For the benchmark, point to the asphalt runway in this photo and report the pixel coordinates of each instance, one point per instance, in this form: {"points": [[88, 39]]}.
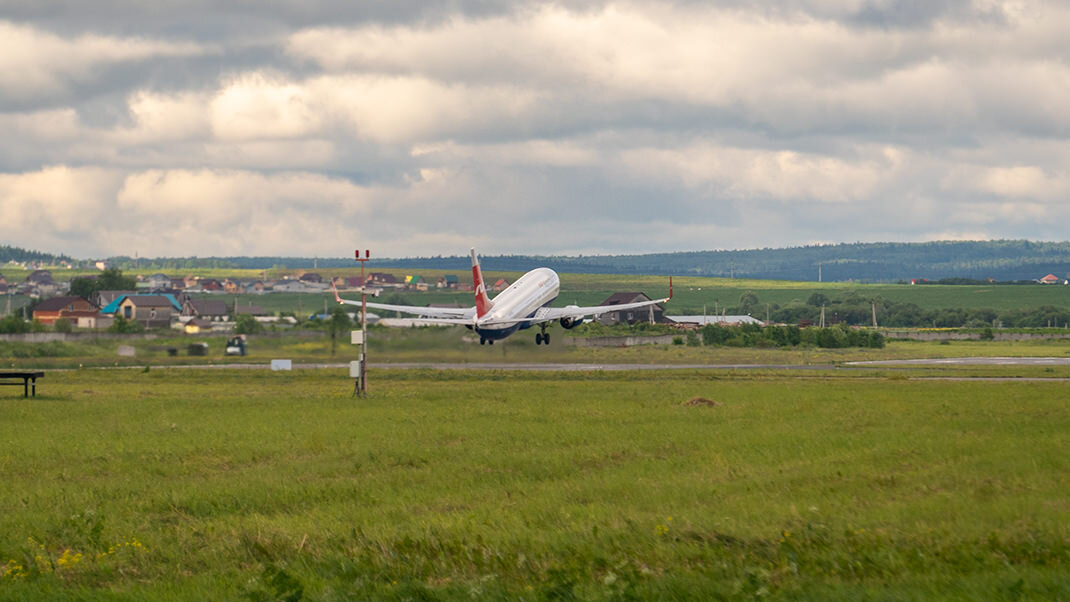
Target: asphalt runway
{"points": [[571, 367], [970, 361], [542, 367]]}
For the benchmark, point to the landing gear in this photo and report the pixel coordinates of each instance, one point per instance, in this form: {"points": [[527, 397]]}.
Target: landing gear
{"points": [[484, 341], [542, 337]]}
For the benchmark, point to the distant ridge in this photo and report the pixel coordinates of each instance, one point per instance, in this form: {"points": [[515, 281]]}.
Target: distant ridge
{"points": [[1001, 260]]}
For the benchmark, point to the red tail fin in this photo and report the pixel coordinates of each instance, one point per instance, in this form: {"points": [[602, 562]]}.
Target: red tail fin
{"points": [[483, 302]]}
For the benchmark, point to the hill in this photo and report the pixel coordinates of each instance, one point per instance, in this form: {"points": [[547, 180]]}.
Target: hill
{"points": [[1001, 260], [1004, 260]]}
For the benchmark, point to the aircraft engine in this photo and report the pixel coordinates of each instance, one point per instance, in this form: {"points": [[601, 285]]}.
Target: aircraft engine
{"points": [[569, 323]]}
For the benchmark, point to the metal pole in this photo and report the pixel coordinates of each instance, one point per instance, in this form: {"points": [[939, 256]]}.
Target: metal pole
{"points": [[363, 384]]}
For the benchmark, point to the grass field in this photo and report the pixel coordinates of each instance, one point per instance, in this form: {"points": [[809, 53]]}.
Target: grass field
{"points": [[206, 484]]}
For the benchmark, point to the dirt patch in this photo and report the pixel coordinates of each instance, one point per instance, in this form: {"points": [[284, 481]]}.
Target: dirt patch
{"points": [[701, 401]]}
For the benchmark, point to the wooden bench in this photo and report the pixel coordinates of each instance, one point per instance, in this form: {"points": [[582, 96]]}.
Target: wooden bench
{"points": [[29, 381]]}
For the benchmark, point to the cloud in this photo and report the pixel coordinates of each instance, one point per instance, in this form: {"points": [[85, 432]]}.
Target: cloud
{"points": [[37, 63], [421, 128]]}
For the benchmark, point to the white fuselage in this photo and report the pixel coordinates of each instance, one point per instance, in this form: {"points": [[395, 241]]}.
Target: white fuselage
{"points": [[535, 289]]}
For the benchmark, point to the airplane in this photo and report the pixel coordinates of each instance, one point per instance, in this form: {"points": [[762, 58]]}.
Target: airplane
{"points": [[524, 304]]}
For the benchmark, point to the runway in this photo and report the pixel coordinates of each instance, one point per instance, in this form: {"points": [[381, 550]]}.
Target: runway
{"points": [[970, 361], [587, 367]]}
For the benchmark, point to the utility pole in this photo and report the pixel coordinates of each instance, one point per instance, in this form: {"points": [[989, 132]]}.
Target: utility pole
{"points": [[822, 316], [819, 271], [874, 306], [360, 387]]}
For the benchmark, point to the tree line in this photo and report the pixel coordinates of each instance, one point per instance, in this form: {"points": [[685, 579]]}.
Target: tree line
{"points": [[855, 310]]}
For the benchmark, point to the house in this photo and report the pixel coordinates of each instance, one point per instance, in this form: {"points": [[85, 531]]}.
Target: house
{"points": [[291, 286], [252, 310], [383, 278], [69, 308], [653, 313], [311, 277], [353, 282], [232, 287], [178, 284], [154, 311], [416, 283], [102, 265], [209, 309], [40, 277], [500, 285], [210, 285], [1049, 279], [103, 299], [159, 282], [189, 281], [447, 281]]}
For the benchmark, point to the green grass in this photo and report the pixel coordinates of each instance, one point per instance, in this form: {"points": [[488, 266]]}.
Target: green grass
{"points": [[457, 345], [259, 485]]}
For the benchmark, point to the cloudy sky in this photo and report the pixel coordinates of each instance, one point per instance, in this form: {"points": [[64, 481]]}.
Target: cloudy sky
{"points": [[424, 127]]}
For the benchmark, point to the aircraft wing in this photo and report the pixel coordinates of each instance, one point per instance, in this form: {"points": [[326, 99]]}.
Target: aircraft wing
{"points": [[448, 315], [547, 314]]}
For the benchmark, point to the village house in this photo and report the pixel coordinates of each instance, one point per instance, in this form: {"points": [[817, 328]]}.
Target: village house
{"points": [[153, 311], [416, 283], [500, 285], [207, 309], [653, 313], [158, 283], [292, 286], [1049, 279], [103, 299], [249, 310], [383, 279], [68, 308], [40, 277], [448, 281]]}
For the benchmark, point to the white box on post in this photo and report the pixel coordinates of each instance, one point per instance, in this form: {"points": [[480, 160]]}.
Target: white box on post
{"points": [[357, 337], [354, 369]]}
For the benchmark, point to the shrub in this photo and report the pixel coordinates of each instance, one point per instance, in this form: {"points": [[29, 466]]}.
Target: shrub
{"points": [[63, 325], [246, 324], [124, 326], [13, 325], [692, 339]]}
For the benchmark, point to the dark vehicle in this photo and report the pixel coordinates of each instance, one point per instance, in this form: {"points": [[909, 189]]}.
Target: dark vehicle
{"points": [[236, 346]]}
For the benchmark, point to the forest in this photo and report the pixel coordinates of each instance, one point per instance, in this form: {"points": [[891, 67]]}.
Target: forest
{"points": [[947, 261]]}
